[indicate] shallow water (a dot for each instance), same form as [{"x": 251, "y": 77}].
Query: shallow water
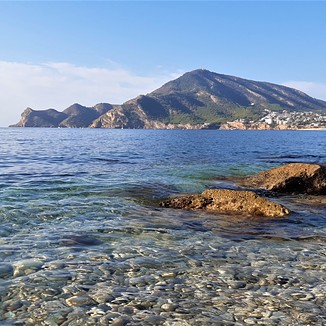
[{"x": 84, "y": 242}]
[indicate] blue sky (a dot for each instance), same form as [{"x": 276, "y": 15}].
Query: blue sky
[{"x": 55, "y": 53}]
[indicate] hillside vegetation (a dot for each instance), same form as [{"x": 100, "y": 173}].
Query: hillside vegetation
[{"x": 198, "y": 99}]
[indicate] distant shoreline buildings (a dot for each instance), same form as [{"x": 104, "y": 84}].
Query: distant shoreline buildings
[{"x": 283, "y": 120}]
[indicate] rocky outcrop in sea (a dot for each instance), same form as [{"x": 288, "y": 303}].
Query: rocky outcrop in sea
[
  {"x": 293, "y": 178},
  {"x": 297, "y": 178},
  {"x": 229, "y": 201}
]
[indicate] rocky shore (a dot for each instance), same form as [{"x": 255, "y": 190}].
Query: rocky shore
[
  {"x": 179, "y": 269},
  {"x": 294, "y": 178},
  {"x": 229, "y": 201},
  {"x": 241, "y": 285}
]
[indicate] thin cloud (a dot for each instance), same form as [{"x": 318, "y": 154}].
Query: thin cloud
[
  {"x": 58, "y": 85},
  {"x": 312, "y": 89}
]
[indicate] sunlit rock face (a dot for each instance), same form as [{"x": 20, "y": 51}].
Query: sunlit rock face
[
  {"x": 297, "y": 178},
  {"x": 229, "y": 201}
]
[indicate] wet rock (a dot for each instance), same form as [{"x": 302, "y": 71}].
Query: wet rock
[
  {"x": 237, "y": 284},
  {"x": 229, "y": 201},
  {"x": 154, "y": 320},
  {"x": 79, "y": 301},
  {"x": 12, "y": 305},
  {"x": 26, "y": 266},
  {"x": 297, "y": 178},
  {"x": 127, "y": 310},
  {"x": 169, "y": 307},
  {"x": 6, "y": 270},
  {"x": 119, "y": 322}
]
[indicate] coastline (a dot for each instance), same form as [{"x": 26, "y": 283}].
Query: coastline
[{"x": 314, "y": 129}]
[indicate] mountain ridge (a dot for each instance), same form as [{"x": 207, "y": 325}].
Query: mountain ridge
[{"x": 198, "y": 99}]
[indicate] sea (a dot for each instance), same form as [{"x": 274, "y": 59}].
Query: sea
[{"x": 84, "y": 241}]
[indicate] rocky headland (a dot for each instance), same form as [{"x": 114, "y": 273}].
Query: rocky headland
[{"x": 199, "y": 99}]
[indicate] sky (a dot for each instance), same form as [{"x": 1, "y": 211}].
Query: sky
[{"x": 56, "y": 53}]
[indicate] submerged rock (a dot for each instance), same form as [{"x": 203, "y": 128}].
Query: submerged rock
[
  {"x": 79, "y": 301},
  {"x": 297, "y": 178},
  {"x": 6, "y": 270},
  {"x": 229, "y": 201}
]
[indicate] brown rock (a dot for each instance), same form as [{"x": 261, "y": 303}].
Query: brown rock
[
  {"x": 79, "y": 301},
  {"x": 229, "y": 201},
  {"x": 188, "y": 202},
  {"x": 297, "y": 178}
]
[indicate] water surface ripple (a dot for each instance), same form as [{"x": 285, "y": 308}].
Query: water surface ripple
[{"x": 84, "y": 242}]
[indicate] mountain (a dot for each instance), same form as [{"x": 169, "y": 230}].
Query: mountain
[
  {"x": 198, "y": 99},
  {"x": 79, "y": 116},
  {"x": 44, "y": 118},
  {"x": 75, "y": 116}
]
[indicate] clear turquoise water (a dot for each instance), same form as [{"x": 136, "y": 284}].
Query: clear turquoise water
[
  {"x": 76, "y": 195},
  {"x": 49, "y": 175}
]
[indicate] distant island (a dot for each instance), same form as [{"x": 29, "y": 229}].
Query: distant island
[{"x": 199, "y": 99}]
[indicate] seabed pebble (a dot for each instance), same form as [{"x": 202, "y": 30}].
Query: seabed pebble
[{"x": 147, "y": 280}]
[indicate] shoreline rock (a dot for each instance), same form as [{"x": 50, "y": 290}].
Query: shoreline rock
[
  {"x": 229, "y": 201},
  {"x": 293, "y": 178}
]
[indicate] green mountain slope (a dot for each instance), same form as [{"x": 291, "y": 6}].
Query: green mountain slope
[{"x": 198, "y": 99}]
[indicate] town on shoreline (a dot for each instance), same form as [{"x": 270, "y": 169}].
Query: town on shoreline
[{"x": 283, "y": 120}]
